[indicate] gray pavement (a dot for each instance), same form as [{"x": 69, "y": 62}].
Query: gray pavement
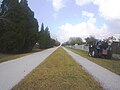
[
  {"x": 107, "y": 79},
  {"x": 11, "y": 72}
]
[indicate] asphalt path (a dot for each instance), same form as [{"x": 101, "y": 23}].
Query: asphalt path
[
  {"x": 107, "y": 79},
  {"x": 12, "y": 72}
]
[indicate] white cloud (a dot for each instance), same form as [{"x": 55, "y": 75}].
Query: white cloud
[
  {"x": 109, "y": 9},
  {"x": 57, "y": 4},
  {"x": 87, "y": 14},
  {"x": 82, "y": 2},
  {"x": 82, "y": 30}
]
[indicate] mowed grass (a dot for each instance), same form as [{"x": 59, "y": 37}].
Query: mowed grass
[
  {"x": 110, "y": 64},
  {"x": 58, "y": 72},
  {"x": 8, "y": 57}
]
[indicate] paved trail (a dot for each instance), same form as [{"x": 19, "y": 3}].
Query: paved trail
[
  {"x": 12, "y": 72},
  {"x": 109, "y": 80}
]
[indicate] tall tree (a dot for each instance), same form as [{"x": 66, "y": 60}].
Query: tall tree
[
  {"x": 41, "y": 39},
  {"x": 24, "y": 3},
  {"x": 30, "y": 26},
  {"x": 47, "y": 38},
  {"x": 19, "y": 21}
]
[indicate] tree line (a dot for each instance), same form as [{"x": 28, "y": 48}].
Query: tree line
[
  {"x": 91, "y": 40},
  {"x": 19, "y": 28},
  {"x": 45, "y": 40},
  {"x": 77, "y": 40}
]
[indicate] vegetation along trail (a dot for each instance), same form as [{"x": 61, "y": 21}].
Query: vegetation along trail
[
  {"x": 13, "y": 71},
  {"x": 111, "y": 64},
  {"x": 58, "y": 72},
  {"x": 108, "y": 79}
]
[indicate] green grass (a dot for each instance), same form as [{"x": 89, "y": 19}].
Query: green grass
[
  {"x": 110, "y": 64},
  {"x": 58, "y": 72},
  {"x": 8, "y": 57}
]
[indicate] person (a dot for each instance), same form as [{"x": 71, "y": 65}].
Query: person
[{"x": 90, "y": 50}]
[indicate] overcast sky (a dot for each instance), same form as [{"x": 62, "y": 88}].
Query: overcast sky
[{"x": 78, "y": 18}]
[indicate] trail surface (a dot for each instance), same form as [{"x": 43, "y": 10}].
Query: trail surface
[
  {"x": 107, "y": 79},
  {"x": 11, "y": 72}
]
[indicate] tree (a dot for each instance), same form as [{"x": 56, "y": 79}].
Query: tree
[
  {"x": 91, "y": 40},
  {"x": 110, "y": 39},
  {"x": 65, "y": 43},
  {"x": 57, "y": 43},
  {"x": 54, "y": 42},
  {"x": 18, "y": 20},
  {"x": 75, "y": 40},
  {"x": 24, "y": 3},
  {"x": 41, "y": 37},
  {"x": 10, "y": 41},
  {"x": 47, "y": 38},
  {"x": 30, "y": 26},
  {"x": 3, "y": 8},
  {"x": 44, "y": 37}
]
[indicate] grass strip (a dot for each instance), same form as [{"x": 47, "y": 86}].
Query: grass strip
[
  {"x": 58, "y": 72},
  {"x": 110, "y": 64},
  {"x": 8, "y": 57}
]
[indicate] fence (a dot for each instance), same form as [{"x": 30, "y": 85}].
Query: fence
[{"x": 81, "y": 47}]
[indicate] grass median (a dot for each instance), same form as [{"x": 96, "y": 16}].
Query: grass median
[
  {"x": 110, "y": 64},
  {"x": 58, "y": 72},
  {"x": 8, "y": 57}
]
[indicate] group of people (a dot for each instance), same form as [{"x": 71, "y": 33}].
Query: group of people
[{"x": 100, "y": 48}]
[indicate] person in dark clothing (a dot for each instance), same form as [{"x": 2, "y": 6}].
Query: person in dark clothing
[{"x": 91, "y": 47}]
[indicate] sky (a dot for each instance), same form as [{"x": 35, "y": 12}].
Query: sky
[{"x": 78, "y": 18}]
